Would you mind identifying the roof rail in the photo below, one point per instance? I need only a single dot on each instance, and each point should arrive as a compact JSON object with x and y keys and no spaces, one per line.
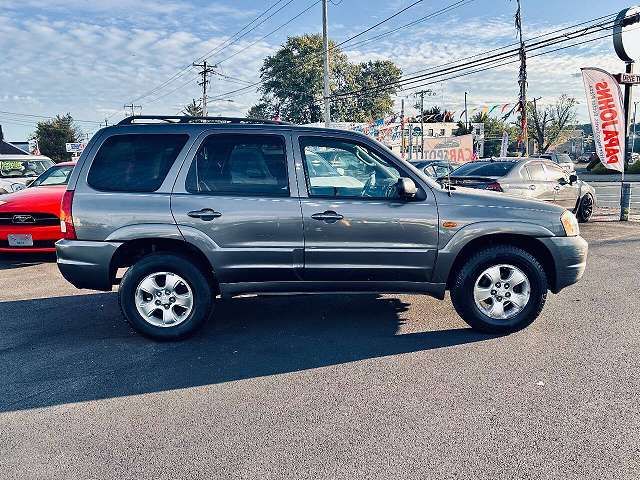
{"x":189,"y":119}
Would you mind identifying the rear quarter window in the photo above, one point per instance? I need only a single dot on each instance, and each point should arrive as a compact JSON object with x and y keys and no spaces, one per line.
{"x":134,"y":162}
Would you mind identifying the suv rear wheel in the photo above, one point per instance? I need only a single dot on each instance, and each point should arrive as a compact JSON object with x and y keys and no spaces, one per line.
{"x":500,"y":289}
{"x":165,"y":296}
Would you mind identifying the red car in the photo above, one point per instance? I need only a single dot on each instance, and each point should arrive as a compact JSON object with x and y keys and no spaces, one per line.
{"x":30,"y":218}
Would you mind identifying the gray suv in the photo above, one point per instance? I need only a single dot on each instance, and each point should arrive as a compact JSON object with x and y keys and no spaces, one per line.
{"x":195,"y":208}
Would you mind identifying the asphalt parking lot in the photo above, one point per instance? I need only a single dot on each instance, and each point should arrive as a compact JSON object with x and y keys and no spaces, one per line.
{"x":361,"y":386}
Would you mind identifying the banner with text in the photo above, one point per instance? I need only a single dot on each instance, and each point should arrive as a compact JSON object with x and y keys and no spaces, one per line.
{"x":454,"y":149}
{"x":605,"y":104}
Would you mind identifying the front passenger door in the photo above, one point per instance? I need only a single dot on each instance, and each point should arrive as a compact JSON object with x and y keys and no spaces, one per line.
{"x":356,"y":226}
{"x":565,"y":193}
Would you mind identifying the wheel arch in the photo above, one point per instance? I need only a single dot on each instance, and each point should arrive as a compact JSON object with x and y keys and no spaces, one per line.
{"x":134,"y":249}
{"x":527,"y":243}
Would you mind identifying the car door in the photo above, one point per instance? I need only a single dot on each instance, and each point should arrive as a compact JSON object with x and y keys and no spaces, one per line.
{"x":565,"y":193}
{"x":356,"y":227}
{"x":237,"y":198}
{"x":539,"y":185}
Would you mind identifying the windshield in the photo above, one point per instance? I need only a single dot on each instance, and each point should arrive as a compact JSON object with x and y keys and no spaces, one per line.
{"x":484,"y":169}
{"x":320,"y":167}
{"x":54,"y":176}
{"x":23,"y":168}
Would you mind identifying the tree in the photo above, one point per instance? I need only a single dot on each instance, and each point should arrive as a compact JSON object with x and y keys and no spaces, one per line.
{"x":493,"y":129}
{"x":193,"y":109}
{"x":546,"y":124}
{"x":292,"y":84}
{"x":53,"y":134}
{"x":434,"y":114}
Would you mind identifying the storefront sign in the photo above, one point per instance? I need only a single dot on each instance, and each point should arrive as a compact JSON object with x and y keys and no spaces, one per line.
{"x":453,"y":149}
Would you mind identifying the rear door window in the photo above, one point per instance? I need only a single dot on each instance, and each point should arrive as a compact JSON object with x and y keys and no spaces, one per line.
{"x":536,"y":172}
{"x":240,"y":164}
{"x":134,"y":162}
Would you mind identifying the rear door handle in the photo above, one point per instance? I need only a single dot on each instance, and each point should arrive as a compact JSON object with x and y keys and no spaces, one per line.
{"x":556,"y":188}
{"x":532,"y":187}
{"x":206,"y":214}
{"x":329,"y":216}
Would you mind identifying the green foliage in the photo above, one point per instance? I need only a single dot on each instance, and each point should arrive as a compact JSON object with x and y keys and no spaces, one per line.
{"x":493,"y":128}
{"x":600,"y":169}
{"x":193,"y":109}
{"x":292,"y":87}
{"x":53,"y":134}
{"x":435,"y":114}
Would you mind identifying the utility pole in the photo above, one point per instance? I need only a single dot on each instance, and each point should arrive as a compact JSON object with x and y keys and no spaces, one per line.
{"x":522,"y":81}
{"x":633,"y":142}
{"x":422,"y":124}
{"x":325,"y":48}
{"x":206,"y":70}
{"x":466,"y":113}
{"x":402,"y":146}
{"x":535,"y":110}
{"x":133,"y":109}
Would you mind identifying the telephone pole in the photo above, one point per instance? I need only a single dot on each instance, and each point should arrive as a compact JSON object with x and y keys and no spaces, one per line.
{"x":133,"y":109}
{"x":325,"y":48}
{"x":522,"y":81}
{"x":206,"y":70}
{"x":421,"y":94}
{"x":466,"y":114}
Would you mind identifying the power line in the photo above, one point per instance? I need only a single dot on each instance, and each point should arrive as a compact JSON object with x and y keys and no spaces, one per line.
{"x":309,"y":7}
{"x":455,"y":66}
{"x":184,"y":70}
{"x":45,"y":116}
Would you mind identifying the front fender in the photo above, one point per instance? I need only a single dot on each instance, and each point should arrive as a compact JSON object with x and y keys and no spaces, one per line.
{"x":448,"y":253}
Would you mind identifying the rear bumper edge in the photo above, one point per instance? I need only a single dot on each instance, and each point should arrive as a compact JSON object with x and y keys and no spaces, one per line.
{"x":86,"y":264}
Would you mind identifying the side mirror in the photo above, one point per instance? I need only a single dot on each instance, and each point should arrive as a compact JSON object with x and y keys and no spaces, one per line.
{"x":406,"y":188}
{"x":573,"y":178}
{"x":29,"y":182}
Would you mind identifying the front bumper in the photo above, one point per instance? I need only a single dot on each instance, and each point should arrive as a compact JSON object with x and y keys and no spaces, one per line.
{"x":87,"y":264}
{"x":569,"y":257}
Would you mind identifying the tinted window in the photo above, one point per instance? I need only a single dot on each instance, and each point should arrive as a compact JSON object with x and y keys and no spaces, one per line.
{"x":54,"y":176}
{"x":536,"y":172}
{"x":484,"y":169}
{"x":134,"y":163}
{"x":355,"y":170}
{"x":240,"y":165}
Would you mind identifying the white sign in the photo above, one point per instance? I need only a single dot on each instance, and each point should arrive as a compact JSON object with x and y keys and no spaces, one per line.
{"x":605,"y":104}
{"x":33,"y":147}
{"x":75,"y":147}
{"x":626,"y":34}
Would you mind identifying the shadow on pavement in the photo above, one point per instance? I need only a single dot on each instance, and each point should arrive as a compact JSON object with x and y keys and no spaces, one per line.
{"x":70,"y":349}
{"x":12,"y":260}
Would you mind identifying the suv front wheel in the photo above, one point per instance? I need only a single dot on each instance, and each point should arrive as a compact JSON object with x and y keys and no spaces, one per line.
{"x":165,"y":296}
{"x":500,"y":289}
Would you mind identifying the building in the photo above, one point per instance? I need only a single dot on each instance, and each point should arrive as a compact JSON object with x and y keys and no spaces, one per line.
{"x":7,"y":148}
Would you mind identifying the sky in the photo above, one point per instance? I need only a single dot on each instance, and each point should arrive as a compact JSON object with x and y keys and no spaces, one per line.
{"x":89,"y":58}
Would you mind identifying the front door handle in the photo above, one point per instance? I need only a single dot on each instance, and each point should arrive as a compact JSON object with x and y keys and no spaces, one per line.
{"x":206,"y":214}
{"x":556,"y":188}
{"x":329,"y":216}
{"x":532,"y":187}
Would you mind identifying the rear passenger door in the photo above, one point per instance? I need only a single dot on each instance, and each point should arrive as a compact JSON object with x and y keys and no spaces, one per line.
{"x":565,"y":194}
{"x":237,"y":198}
{"x":539,"y":185}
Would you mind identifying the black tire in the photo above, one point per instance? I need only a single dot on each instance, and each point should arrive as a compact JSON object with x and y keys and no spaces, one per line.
{"x":462,"y":291}
{"x":585,"y":208}
{"x":166,"y":262}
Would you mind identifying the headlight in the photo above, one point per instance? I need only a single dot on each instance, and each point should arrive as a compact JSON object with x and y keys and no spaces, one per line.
{"x":570,"y":224}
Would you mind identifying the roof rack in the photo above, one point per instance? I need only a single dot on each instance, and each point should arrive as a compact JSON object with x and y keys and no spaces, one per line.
{"x":189,"y":119}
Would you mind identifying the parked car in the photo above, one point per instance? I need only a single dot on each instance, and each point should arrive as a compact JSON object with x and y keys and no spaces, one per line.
{"x":585,"y":157}
{"x":29,"y":218}
{"x":532,"y":178}
{"x":196,"y":208}
{"x":563,"y":160}
{"x":16,"y":170}
{"x":436,"y":168}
